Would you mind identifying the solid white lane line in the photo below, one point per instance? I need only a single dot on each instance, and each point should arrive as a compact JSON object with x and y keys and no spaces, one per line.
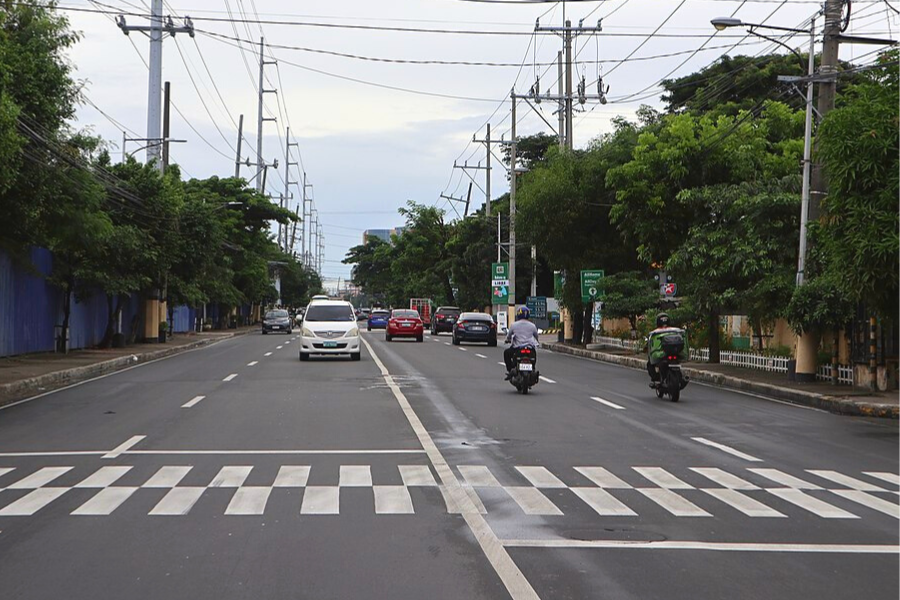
{"x":231,"y":476}
{"x":355,"y":476}
{"x":532,"y":501}
{"x":889,"y":477}
{"x":727,"y":449}
{"x":713,"y":546}
{"x":517,"y":586}
{"x":480,"y":355}
{"x":192,"y":402}
{"x":262,"y":452}
{"x":230,"y":377}
{"x":267,"y":354}
{"x":813,"y":505}
{"x":540,"y":477}
{"x":785,"y":479}
{"x":465,"y":504}
{"x":104,"y":477}
{"x":321,"y":500}
{"x":249,"y":501}
{"x":663,"y":478}
{"x":252,"y":363}
{"x":31,"y":503}
{"x":478,"y":476}
{"x":290,"y":476}
{"x":167,"y":477}
{"x":849,"y":482}
{"x":546,"y":379}
{"x":105,"y":501}
{"x":607,"y":403}
{"x":742,"y":502}
{"x":39,"y":478}
{"x":392,"y":500}
{"x":126,"y":445}
{"x":177,"y":502}
{"x":870,"y":501}
{"x":726,"y":480}
{"x":603,"y":478}
{"x":416,"y":475}
{"x":672,"y":502}
{"x":603,"y":503}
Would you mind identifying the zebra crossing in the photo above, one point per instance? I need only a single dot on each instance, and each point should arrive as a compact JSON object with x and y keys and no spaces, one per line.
{"x":527,"y":490}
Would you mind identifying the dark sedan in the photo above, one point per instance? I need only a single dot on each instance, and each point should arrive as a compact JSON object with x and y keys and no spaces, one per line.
{"x":378,"y":319}
{"x":443,"y":319}
{"x":475,"y":327}
{"x":277,"y":320}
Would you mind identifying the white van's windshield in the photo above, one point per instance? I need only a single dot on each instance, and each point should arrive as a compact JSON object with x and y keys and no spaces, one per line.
{"x":318,"y":312}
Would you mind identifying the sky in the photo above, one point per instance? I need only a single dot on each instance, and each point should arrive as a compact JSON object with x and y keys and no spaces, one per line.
{"x":370,"y":145}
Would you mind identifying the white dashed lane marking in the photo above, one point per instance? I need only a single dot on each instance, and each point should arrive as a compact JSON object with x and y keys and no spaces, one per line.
{"x":481,"y":356}
{"x":230,"y":377}
{"x":192,"y":402}
{"x":547,"y":379}
{"x":253,"y":363}
{"x":607,"y":403}
{"x":268,"y":354}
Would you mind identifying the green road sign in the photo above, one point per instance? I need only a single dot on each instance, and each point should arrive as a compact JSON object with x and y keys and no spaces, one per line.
{"x":500,"y":283}
{"x":590,"y":284}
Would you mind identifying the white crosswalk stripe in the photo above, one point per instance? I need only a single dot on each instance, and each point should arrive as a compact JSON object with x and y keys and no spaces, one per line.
{"x":850,"y":482}
{"x":728,"y":492}
{"x":889,"y":477}
{"x":814,"y":505}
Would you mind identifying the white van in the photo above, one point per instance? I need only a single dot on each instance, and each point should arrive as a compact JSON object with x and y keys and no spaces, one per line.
{"x":329,"y":327}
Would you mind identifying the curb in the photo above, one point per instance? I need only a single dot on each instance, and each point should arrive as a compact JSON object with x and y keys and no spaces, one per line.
{"x":832,"y":404}
{"x":19,"y":390}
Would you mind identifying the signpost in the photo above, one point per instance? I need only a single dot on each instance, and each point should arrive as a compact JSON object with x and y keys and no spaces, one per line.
{"x":500,"y":284}
{"x":590,"y":284}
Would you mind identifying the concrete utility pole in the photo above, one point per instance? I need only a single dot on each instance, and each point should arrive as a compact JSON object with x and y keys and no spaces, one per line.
{"x":562,"y":106}
{"x":568,"y":44}
{"x":511,"y":312}
{"x":808,"y":343}
{"x":487,"y":170}
{"x":321,"y":238}
{"x":165,"y":132}
{"x":287,"y":176}
{"x":237,"y":157}
{"x":304,"y":228}
{"x":260,"y":119}
{"x":154,"y":87}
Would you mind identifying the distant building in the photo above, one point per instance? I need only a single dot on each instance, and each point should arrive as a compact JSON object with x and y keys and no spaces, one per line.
{"x":382,"y":234}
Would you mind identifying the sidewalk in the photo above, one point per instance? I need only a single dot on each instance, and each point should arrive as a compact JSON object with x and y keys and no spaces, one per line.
{"x":30,"y":374}
{"x":844,"y":400}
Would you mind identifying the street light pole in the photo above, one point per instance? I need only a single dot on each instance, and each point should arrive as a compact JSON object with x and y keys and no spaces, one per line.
{"x":807,"y":155}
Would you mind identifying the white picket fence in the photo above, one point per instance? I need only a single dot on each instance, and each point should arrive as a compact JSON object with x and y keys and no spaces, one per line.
{"x":747,"y":360}
{"x":845,"y":374}
{"x":611,"y":342}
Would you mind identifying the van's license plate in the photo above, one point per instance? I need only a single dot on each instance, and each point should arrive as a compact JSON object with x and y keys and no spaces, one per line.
{"x":334,"y":345}
{"x":526,"y":367}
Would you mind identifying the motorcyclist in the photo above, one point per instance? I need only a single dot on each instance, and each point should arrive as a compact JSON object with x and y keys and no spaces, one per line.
{"x":520,"y":334}
{"x":662,"y":325}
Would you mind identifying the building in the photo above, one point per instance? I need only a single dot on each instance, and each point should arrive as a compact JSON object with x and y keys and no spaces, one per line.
{"x":382,"y":234}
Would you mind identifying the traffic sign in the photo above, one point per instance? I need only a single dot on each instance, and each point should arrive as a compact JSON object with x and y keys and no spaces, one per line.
{"x":590,"y":284}
{"x":668,"y":289}
{"x":500,"y":284}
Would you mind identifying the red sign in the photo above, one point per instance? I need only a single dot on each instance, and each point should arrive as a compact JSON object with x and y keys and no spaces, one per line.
{"x":669,"y":289}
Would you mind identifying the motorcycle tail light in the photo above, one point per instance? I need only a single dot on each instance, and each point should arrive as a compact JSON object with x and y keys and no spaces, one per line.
{"x":673,"y":357}
{"x":526,"y":351}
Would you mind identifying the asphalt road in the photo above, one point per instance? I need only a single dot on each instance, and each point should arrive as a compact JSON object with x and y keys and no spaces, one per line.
{"x":235,"y":471}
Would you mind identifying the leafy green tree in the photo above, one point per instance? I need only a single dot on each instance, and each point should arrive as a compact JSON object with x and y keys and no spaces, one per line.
{"x":628,"y":295}
{"x":857,"y":144}
{"x":531,"y":150}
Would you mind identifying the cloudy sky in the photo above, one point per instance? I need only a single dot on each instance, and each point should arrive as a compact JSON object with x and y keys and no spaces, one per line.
{"x":373,"y":134}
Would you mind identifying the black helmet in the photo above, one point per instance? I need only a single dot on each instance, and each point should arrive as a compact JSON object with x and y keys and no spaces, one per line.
{"x":662,"y":320}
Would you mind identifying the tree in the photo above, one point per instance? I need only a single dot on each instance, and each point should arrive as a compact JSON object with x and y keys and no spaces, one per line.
{"x":628,"y":295}
{"x":531,"y":150}
{"x":37,"y":98}
{"x":857,"y":143}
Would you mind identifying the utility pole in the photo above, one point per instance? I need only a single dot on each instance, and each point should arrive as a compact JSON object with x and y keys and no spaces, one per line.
{"x":808,"y":343}
{"x":154,"y":87}
{"x":237,"y":158}
{"x":287,"y":176}
{"x":321,"y":239}
{"x":304,"y":227}
{"x":568,"y":46}
{"x":511,"y":312}
{"x":487,"y":169}
{"x":260,"y":178}
{"x":562,"y":106}
{"x":165,"y":132}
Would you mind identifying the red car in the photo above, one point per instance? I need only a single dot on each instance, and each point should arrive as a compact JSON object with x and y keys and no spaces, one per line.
{"x":404,"y":323}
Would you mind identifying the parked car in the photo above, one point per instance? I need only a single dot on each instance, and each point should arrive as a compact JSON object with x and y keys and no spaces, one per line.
{"x":378,"y":319}
{"x":329,"y":327}
{"x":475,"y":327}
{"x":277,"y":320}
{"x":405,"y":323}
{"x":444,"y":318}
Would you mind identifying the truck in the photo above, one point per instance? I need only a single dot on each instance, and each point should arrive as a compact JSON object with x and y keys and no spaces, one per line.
{"x":423,"y":305}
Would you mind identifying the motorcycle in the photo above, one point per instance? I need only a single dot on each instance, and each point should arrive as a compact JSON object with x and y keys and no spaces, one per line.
{"x":668,"y":366}
{"x":525,"y":374}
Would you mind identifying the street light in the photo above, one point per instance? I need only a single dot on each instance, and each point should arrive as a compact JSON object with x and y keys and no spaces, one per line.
{"x":722,"y":23}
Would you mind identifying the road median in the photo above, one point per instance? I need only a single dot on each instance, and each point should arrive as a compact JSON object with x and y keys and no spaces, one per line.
{"x":845,"y":401}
